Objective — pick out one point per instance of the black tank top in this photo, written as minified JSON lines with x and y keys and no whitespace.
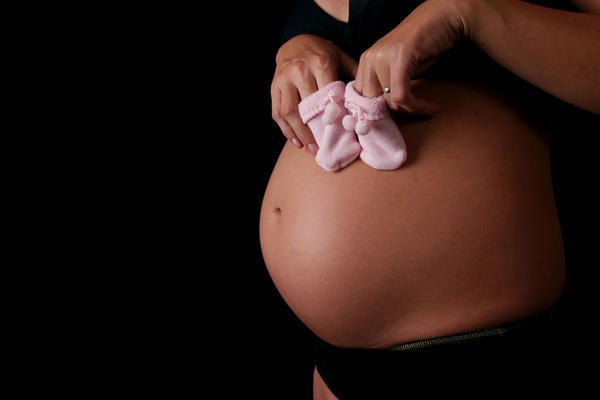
{"x":368,"y":21}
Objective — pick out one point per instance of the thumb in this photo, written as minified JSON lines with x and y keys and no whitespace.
{"x":348,"y":65}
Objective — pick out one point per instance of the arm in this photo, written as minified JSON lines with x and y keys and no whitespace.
{"x":555,"y":50}
{"x":590,"y":6}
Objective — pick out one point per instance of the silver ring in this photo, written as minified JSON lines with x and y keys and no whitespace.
{"x":387,"y":90}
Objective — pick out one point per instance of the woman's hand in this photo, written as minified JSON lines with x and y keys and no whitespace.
{"x":305,"y":63}
{"x":433,"y":27}
{"x":554,"y":50}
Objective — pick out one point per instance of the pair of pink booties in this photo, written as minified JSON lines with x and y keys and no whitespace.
{"x":336,"y":112}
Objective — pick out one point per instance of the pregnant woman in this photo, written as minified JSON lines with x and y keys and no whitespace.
{"x":458,"y":251}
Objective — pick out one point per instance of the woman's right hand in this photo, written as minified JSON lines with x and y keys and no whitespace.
{"x":305,"y":64}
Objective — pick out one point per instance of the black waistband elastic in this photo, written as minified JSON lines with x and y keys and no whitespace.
{"x":499,"y":355}
{"x":537,"y":321}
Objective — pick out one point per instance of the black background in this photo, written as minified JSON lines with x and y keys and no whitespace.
{"x":258,"y":347}
{"x":275,"y":360}
{"x":185,"y":304}
{"x":210,"y":303}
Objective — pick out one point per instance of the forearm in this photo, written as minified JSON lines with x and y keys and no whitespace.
{"x":557,"y":51}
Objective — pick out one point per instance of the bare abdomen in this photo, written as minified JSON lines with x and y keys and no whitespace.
{"x":463,"y":236}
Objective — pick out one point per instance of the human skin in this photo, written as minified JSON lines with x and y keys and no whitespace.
{"x":304,"y":64}
{"x":465,"y":236}
{"x":524,"y":38}
{"x":556,"y":51}
{"x":475,"y":176}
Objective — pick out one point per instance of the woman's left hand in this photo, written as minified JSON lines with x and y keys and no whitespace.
{"x":433,"y":27}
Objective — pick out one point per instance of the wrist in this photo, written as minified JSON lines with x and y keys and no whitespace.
{"x":304,"y":42}
{"x":293,"y":47}
{"x":467,"y":13}
{"x":479,"y":18}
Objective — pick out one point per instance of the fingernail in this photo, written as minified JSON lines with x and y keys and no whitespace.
{"x":296,"y":143}
{"x":313,"y":149}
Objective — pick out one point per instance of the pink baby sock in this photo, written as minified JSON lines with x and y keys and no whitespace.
{"x":323,"y":112}
{"x":382,"y":143}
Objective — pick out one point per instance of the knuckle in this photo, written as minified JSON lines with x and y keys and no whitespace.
{"x":287,"y":133}
{"x":303,"y":134}
{"x":296,"y":67}
{"x":372,"y":55}
{"x":320,"y":61}
{"x":306,"y":87}
{"x":398,"y":98}
{"x":287,"y":110}
{"x":365,"y":56}
{"x":304,"y":139}
{"x":275,"y":115}
{"x":277,"y":79}
{"x":281,"y":71}
{"x":395,"y":106}
{"x":274,"y":89}
{"x":379,"y":55}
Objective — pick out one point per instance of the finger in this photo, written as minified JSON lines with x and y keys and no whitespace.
{"x":382,"y":74}
{"x":369,"y":85}
{"x":288,"y":132}
{"x":289,"y":110}
{"x":401,"y":97}
{"x":305,"y":86}
{"x":348,"y":65}
{"x":285,"y":128}
{"x":358,"y":81}
{"x":302,"y":131}
{"x":324,"y":77}
{"x":361,"y":77}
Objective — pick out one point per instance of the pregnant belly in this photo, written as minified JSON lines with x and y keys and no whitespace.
{"x":463,"y":236}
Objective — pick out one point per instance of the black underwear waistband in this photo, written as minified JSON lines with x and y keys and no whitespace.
{"x":498,"y":356}
{"x":537,"y":321}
